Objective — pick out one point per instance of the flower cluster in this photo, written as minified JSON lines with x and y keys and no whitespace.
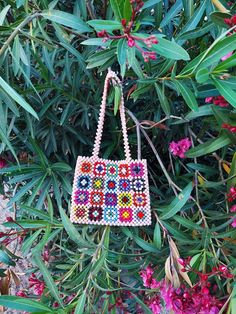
{"x":222,"y":270}
{"x":180,"y":148}
{"x":217,"y":100}
{"x":200,"y":298}
{"x":148,"y":280}
{"x":231,"y":196}
{"x":132,"y":40}
{"x":231,"y":128}
{"x":230,"y":21}
{"x":38,"y":285}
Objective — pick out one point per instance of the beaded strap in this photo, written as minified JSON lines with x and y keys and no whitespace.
{"x":97,"y":143}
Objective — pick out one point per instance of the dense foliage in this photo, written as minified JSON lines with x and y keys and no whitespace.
{"x":177,"y":63}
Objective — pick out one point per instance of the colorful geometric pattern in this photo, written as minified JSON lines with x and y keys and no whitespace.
{"x":111,"y":192}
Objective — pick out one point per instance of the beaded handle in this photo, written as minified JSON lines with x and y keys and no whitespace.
{"x":97,"y":143}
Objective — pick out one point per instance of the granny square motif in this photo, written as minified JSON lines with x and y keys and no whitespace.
{"x":120,"y":198}
{"x":107,"y":192}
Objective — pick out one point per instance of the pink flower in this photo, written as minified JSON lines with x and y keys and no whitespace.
{"x":233,"y":208}
{"x":21,"y":294}
{"x":37,"y":285}
{"x":3,"y":163}
{"x":179,"y":148}
{"x":208,"y":100}
{"x":232,"y":194}
{"x":231,"y":22}
{"x":217,"y":100}
{"x":227,"y":56}
{"x":39,"y":288}
{"x":155,"y":304}
{"x":229,"y":127}
{"x":46,"y":255}
{"x":233,"y":224}
{"x":131,"y":42}
{"x":148,"y":280}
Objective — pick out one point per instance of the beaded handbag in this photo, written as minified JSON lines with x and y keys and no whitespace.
{"x":108,"y":192}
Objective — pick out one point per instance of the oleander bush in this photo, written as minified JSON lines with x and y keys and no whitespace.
{"x":176,"y":60}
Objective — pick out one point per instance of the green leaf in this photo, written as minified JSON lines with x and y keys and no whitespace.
{"x":107,"y":25}
{"x":232,"y":182}
{"x":3,"y":14}
{"x":150,"y":3}
{"x":121,"y":51}
{"x":61,"y":166}
{"x":116,"y":9}
{"x":195,"y":19}
{"x":66,"y":19}
{"x":26,"y":246}
{"x":127,"y":10}
{"x":149,"y":247}
{"x":25,"y":189}
{"x":204,"y":110}
{"x":202,"y":75}
{"x":187,"y":223}
{"x":97,"y":266}
{"x":225,"y":91}
{"x":188,"y":8}
{"x":219,"y":50}
{"x":117,"y":99}
{"x":14,"y":95}
{"x":4,"y":258}
{"x":202,"y":168}
{"x":81,"y":303}
{"x":6,"y":141}
{"x":41,"y":244}
{"x":196,"y":32}
{"x":218,"y":18}
{"x":137,"y":68}
{"x":23,"y":304}
{"x":172,"y":13}
{"x":157,"y":236}
{"x":208,"y":147}
{"x":179,"y":201}
{"x":228,"y":63}
{"x":163,"y":99}
{"x":187,"y":94}
{"x":95,"y":42}
{"x":170,"y":50}
{"x":72,"y":231}
{"x":48,"y":279}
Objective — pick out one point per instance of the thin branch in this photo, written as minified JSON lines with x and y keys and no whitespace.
{"x":16,"y":31}
{"x":90,"y":10}
{"x":171,"y":183}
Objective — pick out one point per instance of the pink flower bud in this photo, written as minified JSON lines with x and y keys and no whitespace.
{"x":123,"y":22}
{"x":181,"y":262}
{"x":102,"y":33}
{"x":131,"y":42}
{"x":153,"y":56}
{"x":9,"y":219}
{"x":223,"y":268}
{"x":233,"y":208}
